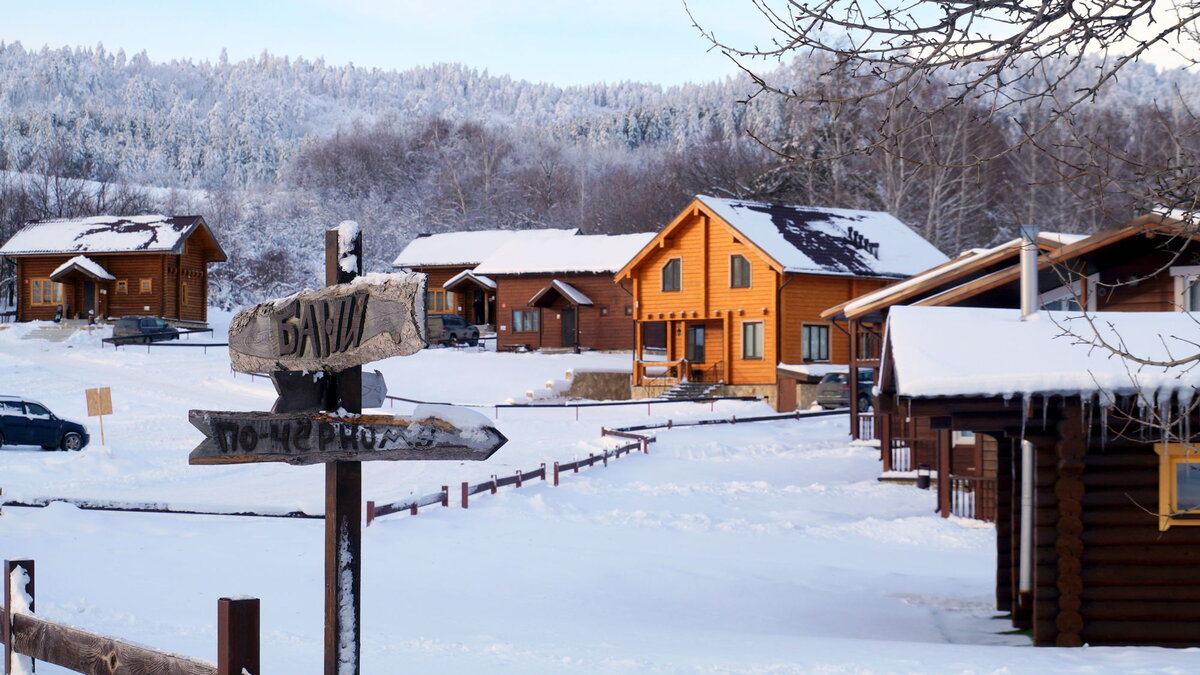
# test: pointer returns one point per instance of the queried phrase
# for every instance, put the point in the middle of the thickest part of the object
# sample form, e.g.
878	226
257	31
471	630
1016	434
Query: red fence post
518	478
464	494
237	636
493	483
605	456
10	568
370	512
556	474
543	471
445	495
412	510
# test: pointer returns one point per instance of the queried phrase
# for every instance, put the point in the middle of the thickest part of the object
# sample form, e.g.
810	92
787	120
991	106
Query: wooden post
465	489
237	636
883	430
854	356
446	495
10	568
944	486
370	512
343	494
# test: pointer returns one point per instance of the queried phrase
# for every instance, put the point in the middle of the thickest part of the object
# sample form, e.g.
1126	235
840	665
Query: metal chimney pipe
1029	271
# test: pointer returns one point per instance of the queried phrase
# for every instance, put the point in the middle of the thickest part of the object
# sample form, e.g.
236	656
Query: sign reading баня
370	318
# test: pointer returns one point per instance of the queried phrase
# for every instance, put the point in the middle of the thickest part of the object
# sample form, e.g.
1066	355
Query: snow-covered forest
273	150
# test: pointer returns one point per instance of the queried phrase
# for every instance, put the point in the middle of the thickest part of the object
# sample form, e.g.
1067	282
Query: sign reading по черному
370	318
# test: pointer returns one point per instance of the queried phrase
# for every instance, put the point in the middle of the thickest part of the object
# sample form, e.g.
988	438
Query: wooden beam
87	652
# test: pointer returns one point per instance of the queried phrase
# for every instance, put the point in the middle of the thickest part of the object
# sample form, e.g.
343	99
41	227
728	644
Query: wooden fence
25	634
973	497
518	479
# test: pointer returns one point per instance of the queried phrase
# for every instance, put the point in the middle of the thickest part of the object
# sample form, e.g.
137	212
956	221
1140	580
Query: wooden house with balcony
1097	489
111	266
1148	265
739	287
448	258
559	293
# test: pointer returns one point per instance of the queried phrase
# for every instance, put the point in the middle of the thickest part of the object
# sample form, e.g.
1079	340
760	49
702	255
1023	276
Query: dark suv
450	329
834	390
25	422
143	329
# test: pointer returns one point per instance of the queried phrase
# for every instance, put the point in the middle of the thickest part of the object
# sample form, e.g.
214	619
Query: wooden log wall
602	325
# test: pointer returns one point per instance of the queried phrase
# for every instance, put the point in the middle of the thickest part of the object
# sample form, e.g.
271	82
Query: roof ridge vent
860	241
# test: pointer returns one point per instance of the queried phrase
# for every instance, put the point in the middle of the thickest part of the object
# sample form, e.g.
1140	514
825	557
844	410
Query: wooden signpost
314	345
99	404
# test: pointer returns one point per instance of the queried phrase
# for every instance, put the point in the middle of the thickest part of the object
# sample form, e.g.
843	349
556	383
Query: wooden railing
27	635
714	373
867	423
909	453
973	497
659	372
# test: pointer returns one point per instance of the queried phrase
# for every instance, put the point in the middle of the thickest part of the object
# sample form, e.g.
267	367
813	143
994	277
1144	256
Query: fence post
370	512
518	478
445	495
493	483
645	445
605	456
237	636
556	474
543	471
576	413
10	568
464	494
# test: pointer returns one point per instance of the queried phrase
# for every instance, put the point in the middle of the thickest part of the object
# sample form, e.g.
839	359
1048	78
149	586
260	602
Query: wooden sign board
305	438
337	327
99	401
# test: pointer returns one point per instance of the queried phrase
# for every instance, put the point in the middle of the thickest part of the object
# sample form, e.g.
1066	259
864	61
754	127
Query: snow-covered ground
755	548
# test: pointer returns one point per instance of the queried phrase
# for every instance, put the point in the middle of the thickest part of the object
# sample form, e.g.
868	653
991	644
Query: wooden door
568	328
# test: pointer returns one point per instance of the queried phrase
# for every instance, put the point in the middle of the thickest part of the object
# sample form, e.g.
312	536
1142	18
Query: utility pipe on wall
1025	579
1029	271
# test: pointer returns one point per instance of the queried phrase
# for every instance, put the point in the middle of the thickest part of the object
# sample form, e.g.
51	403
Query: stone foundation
599	385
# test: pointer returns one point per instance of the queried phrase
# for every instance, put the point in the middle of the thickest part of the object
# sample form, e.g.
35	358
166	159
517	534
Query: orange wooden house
110	266
740	287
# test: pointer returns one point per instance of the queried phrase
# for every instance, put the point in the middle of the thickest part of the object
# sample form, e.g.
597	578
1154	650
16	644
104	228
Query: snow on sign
337	327
241	437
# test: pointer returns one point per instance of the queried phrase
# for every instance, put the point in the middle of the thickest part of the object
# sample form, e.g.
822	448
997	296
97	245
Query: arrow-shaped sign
233	437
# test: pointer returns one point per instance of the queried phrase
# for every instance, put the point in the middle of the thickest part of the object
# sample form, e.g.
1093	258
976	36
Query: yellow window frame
1170	457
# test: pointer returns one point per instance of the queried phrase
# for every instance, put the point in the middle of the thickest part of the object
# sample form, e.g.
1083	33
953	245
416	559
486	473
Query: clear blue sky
560	41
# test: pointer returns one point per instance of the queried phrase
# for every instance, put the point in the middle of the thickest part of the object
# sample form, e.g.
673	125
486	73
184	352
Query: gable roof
84	265
971	351
597	253
466	248
970	262
108	234
820	240
1141	225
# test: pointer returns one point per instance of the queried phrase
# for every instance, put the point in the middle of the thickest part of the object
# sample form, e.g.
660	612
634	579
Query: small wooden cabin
1139	267
739	287
1101	448
447	260
559	292
110	266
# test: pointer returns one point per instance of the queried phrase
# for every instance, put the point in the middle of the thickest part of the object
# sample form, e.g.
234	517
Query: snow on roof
466	248
102	234
824	240
453	281
586	253
813	369
969	351
568	291
1062	238
86	264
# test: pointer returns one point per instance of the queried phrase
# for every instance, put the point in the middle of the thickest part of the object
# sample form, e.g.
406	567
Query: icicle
1104	426
1045	408
1024	413
1085	402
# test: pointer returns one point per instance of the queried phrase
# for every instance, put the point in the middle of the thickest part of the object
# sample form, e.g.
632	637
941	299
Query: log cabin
1145	265
1098	483
560	293
739	287
447	260
110	266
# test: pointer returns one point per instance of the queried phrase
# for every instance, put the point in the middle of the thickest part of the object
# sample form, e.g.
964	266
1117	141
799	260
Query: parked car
450	329
143	329
834	390
26	422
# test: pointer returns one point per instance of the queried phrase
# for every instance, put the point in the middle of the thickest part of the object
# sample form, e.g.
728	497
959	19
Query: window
671	273
693	346
35	410
1178	484
739	272
1071	297
628	310
122	286
814	342
1187	288
439	301
45	292
752	340
184	298
147	285
525	320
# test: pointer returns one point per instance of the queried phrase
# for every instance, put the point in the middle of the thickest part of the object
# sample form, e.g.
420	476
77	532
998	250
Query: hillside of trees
272	151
